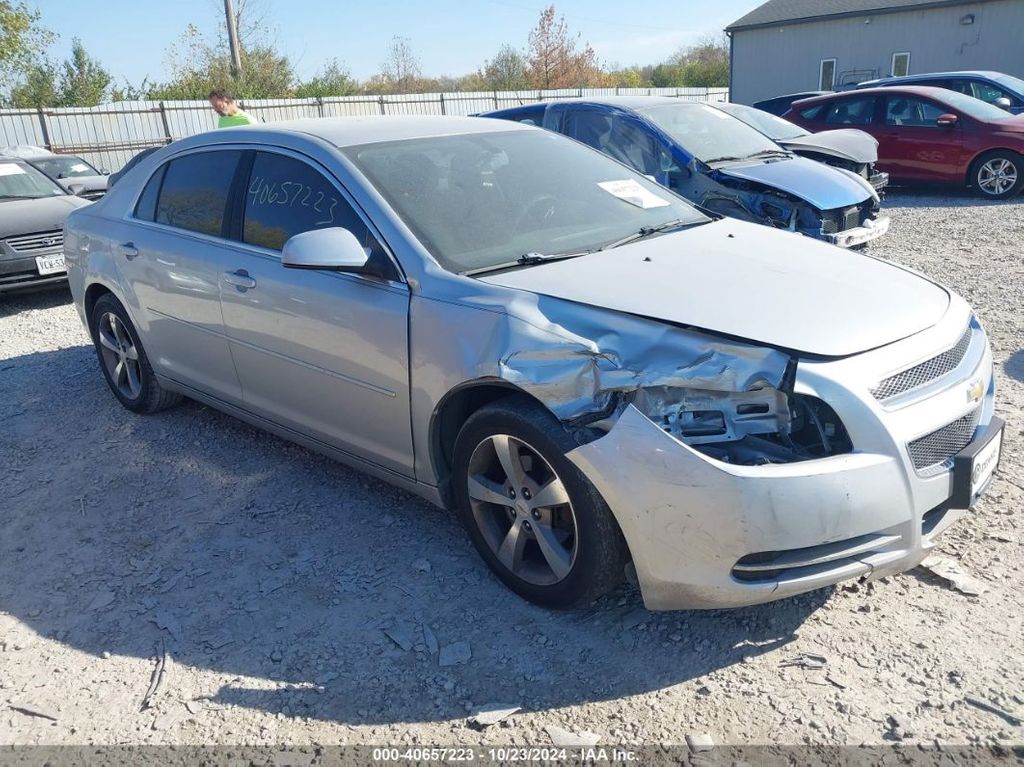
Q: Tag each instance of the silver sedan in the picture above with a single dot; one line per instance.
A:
(593, 373)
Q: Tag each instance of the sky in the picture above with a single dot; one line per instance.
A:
(451, 37)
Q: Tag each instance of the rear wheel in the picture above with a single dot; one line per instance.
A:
(998, 174)
(123, 360)
(536, 520)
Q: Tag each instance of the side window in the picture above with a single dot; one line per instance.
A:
(912, 112)
(988, 92)
(591, 127)
(853, 111)
(632, 145)
(286, 197)
(813, 113)
(145, 208)
(960, 86)
(195, 189)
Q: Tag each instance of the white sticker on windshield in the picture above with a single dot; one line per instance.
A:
(10, 169)
(78, 167)
(630, 191)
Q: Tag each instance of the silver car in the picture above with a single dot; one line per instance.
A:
(585, 367)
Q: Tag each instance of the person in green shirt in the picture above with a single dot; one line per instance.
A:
(223, 103)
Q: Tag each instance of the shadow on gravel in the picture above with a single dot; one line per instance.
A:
(940, 196)
(307, 588)
(1014, 366)
(13, 303)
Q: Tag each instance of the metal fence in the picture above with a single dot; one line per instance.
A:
(109, 135)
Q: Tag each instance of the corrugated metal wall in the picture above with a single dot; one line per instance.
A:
(109, 135)
(775, 61)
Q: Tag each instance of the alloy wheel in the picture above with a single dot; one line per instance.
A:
(997, 176)
(522, 509)
(120, 356)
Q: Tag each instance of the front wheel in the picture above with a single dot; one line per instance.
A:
(998, 175)
(536, 520)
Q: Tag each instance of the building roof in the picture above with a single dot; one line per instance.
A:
(776, 12)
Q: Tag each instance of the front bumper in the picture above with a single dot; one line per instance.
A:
(21, 273)
(879, 180)
(707, 534)
(871, 229)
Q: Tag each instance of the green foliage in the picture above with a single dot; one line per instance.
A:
(507, 71)
(22, 41)
(332, 80)
(83, 80)
(38, 88)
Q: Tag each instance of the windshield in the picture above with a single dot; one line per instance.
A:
(64, 167)
(19, 182)
(480, 200)
(974, 107)
(773, 127)
(709, 134)
(1014, 84)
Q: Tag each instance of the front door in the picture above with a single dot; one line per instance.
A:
(913, 143)
(322, 352)
(171, 257)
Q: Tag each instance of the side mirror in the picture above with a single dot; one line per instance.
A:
(332, 248)
(104, 172)
(947, 121)
(76, 189)
(1003, 103)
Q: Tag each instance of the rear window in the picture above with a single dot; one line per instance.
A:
(195, 191)
(852, 111)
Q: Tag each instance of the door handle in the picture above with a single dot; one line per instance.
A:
(128, 250)
(240, 279)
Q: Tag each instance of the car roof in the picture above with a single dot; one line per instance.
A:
(931, 75)
(354, 131)
(619, 102)
(913, 90)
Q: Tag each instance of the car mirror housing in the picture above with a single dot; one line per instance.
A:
(1003, 103)
(946, 120)
(76, 189)
(332, 248)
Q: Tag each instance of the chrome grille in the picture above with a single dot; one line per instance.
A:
(37, 243)
(935, 449)
(926, 372)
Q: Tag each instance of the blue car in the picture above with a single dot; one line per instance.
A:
(1001, 90)
(718, 162)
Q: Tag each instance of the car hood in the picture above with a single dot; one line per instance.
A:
(751, 282)
(89, 183)
(823, 186)
(846, 143)
(42, 215)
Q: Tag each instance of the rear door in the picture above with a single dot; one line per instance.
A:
(322, 352)
(914, 145)
(170, 256)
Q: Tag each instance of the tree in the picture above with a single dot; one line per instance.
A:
(332, 80)
(22, 41)
(401, 69)
(83, 80)
(703, 65)
(554, 59)
(38, 88)
(507, 71)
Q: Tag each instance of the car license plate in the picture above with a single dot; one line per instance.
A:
(974, 466)
(50, 264)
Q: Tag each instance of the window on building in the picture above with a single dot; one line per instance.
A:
(827, 75)
(901, 64)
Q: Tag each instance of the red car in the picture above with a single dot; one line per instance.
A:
(928, 134)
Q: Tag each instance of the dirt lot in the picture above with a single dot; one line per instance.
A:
(300, 602)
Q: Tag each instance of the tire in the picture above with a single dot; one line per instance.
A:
(123, 360)
(997, 175)
(591, 552)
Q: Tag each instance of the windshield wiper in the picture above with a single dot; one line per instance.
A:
(722, 159)
(647, 231)
(771, 153)
(21, 196)
(527, 259)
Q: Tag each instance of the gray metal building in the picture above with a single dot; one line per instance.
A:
(788, 46)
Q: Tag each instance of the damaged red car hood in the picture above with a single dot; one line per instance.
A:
(751, 282)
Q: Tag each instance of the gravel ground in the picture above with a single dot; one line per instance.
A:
(300, 602)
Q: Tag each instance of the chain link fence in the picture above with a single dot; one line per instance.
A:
(109, 135)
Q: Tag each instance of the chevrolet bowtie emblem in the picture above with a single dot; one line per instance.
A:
(975, 390)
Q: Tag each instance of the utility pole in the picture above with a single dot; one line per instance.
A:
(236, 57)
